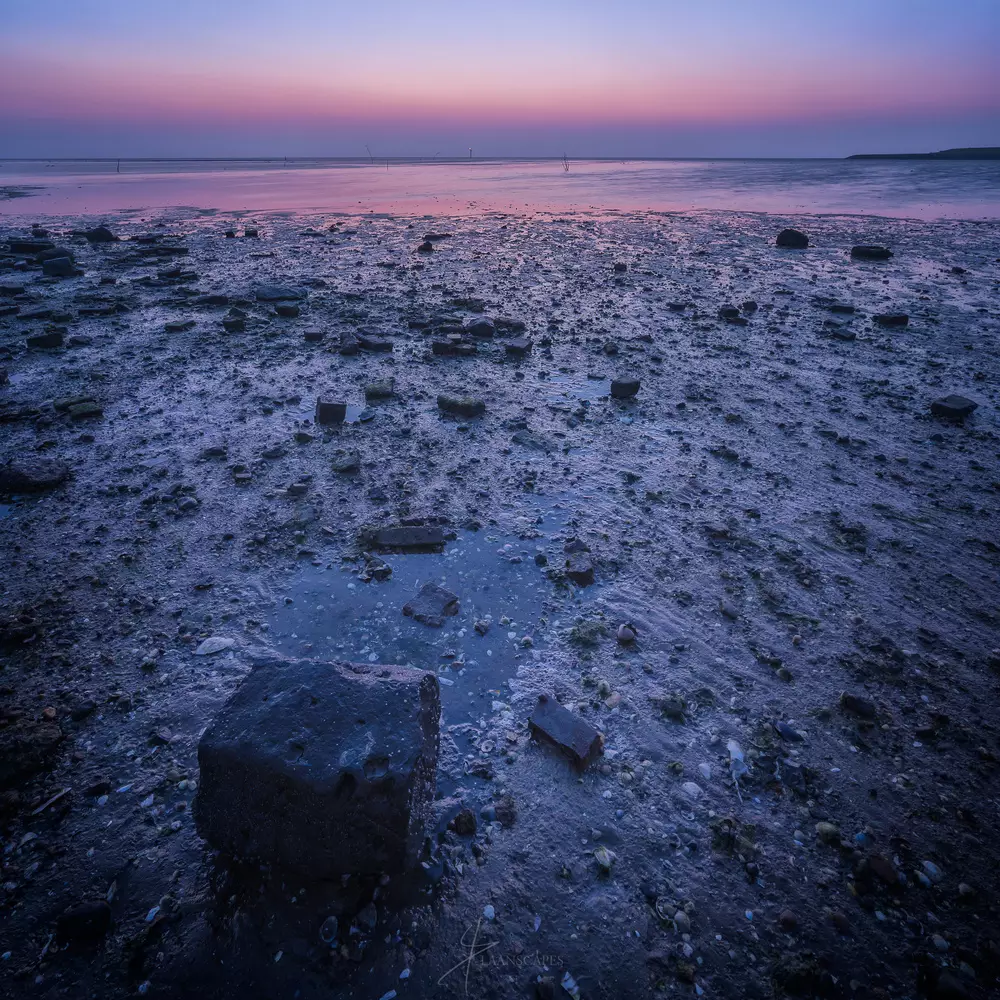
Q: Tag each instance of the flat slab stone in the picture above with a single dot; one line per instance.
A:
(325, 769)
(432, 605)
(953, 407)
(870, 253)
(576, 737)
(414, 537)
(461, 406)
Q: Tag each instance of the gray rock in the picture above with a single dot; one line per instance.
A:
(327, 769)
(953, 407)
(53, 252)
(891, 319)
(432, 605)
(346, 462)
(461, 406)
(518, 347)
(29, 474)
(574, 736)
(579, 566)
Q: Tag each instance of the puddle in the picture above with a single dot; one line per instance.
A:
(562, 388)
(336, 615)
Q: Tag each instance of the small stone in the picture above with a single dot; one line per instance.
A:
(624, 388)
(464, 823)
(620, 267)
(692, 790)
(484, 327)
(605, 859)
(625, 635)
(426, 247)
(346, 462)
(828, 833)
(431, 605)
(857, 705)
(792, 239)
(788, 920)
(214, 644)
(287, 310)
(100, 234)
(682, 922)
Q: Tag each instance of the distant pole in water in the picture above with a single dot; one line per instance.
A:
(565, 163)
(470, 152)
(370, 156)
(118, 169)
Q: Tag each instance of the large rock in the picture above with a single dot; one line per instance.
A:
(792, 239)
(323, 768)
(870, 253)
(29, 474)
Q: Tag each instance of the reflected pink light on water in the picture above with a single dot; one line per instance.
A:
(925, 189)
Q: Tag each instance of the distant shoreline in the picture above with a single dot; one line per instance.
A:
(968, 153)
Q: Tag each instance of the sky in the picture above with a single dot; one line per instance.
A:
(615, 78)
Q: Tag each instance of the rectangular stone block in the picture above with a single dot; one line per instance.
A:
(323, 768)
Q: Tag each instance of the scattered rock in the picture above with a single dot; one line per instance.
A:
(214, 644)
(953, 407)
(857, 705)
(579, 566)
(100, 234)
(624, 388)
(870, 253)
(59, 267)
(573, 735)
(891, 319)
(330, 412)
(431, 605)
(461, 406)
(346, 462)
(48, 340)
(792, 239)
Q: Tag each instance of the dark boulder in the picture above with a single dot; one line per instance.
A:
(29, 474)
(327, 769)
(892, 319)
(870, 253)
(100, 234)
(330, 411)
(59, 267)
(953, 407)
(624, 388)
(792, 239)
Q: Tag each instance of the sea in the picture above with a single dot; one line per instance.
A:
(905, 189)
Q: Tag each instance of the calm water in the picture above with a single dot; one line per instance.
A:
(904, 189)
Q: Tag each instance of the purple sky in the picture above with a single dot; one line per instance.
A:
(525, 77)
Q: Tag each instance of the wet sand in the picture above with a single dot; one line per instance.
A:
(776, 514)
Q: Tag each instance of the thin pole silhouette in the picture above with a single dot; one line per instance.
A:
(370, 156)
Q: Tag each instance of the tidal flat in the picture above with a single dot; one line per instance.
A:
(788, 634)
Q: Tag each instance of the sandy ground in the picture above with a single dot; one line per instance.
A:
(776, 514)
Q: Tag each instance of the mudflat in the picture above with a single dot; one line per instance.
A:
(764, 569)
